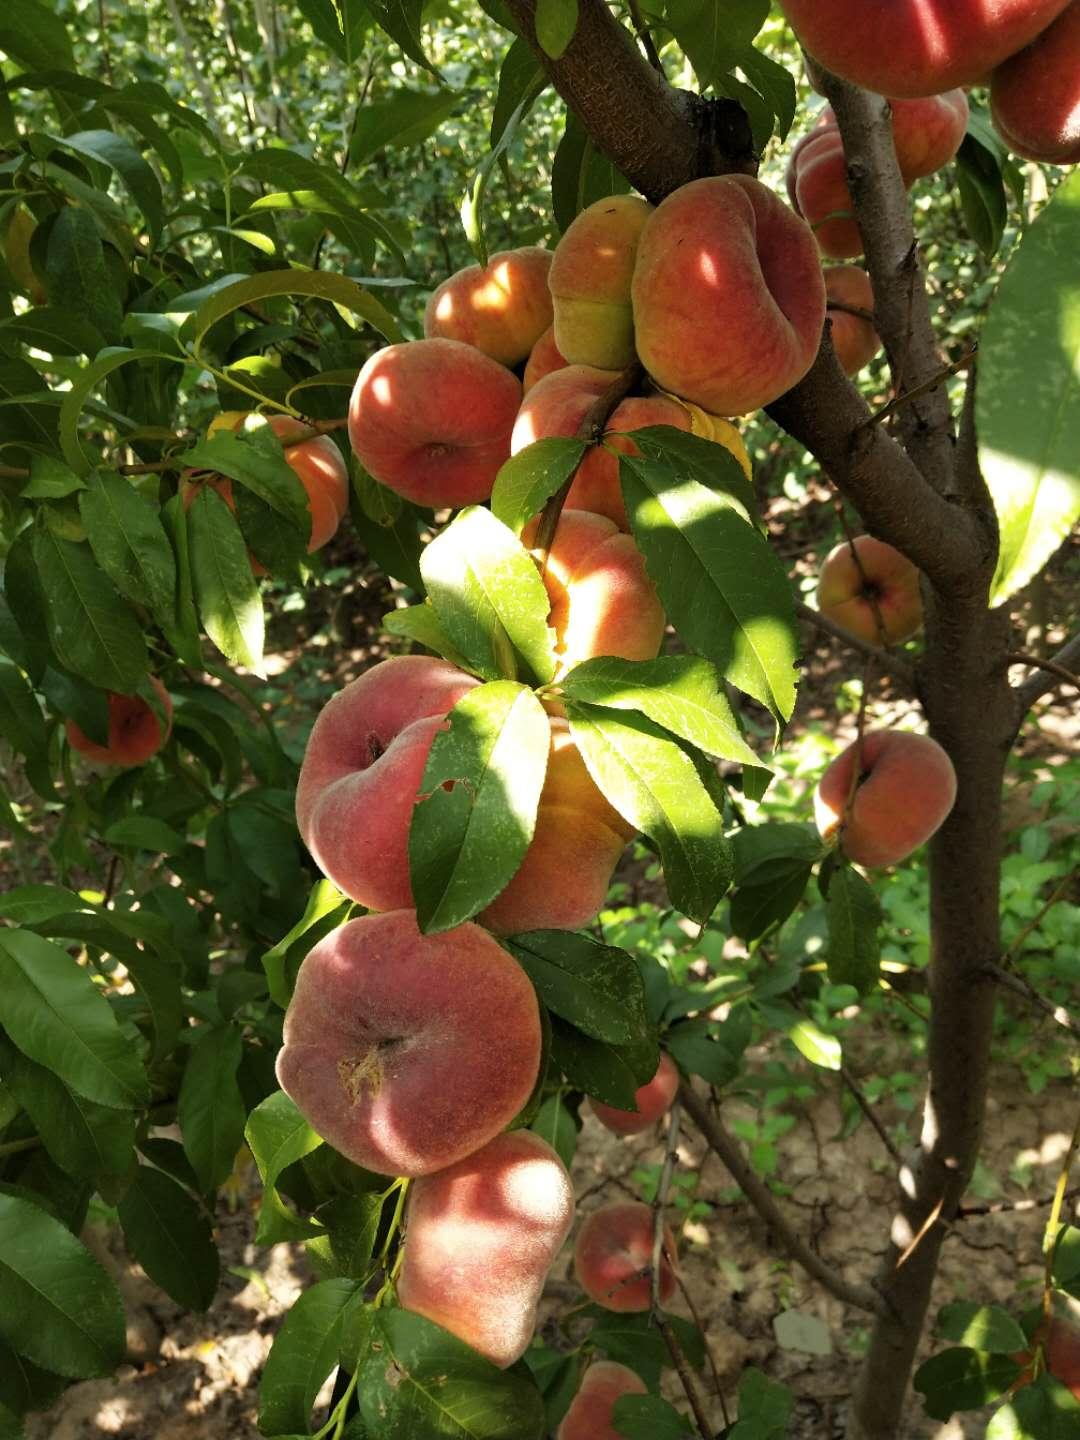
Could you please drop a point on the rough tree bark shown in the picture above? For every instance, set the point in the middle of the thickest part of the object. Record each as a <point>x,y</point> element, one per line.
<point>916,485</point>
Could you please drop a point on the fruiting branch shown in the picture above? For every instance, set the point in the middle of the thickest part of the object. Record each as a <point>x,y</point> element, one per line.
<point>863,1297</point>
<point>1053,672</point>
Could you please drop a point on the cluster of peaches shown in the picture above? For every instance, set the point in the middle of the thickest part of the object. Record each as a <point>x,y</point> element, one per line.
<point>1027,51</point>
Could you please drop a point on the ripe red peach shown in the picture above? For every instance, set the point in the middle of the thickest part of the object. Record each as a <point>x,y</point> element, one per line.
<point>651,1101</point>
<point>577,833</point>
<point>602,600</point>
<point>728,296</point>
<point>544,359</point>
<point>904,790</point>
<point>557,404</point>
<point>481,1237</point>
<point>361,775</point>
<point>851,586</point>
<point>590,282</point>
<point>917,47</point>
<point>818,184</point>
<point>927,133</point>
<point>135,731</point>
<point>316,460</point>
<point>854,339</point>
<point>613,1257</point>
<point>1035,95</point>
<point>431,419</point>
<point>502,307</point>
<point>408,1052</point>
<point>591,1410</point>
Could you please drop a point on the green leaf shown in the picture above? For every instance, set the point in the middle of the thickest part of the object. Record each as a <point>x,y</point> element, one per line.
<point>28,904</point>
<point>758,908</point>
<point>54,330</point>
<point>210,1109</point>
<point>581,174</point>
<point>83,1138</point>
<point>122,157</point>
<point>23,726</point>
<point>225,589</point>
<point>35,38</point>
<point>405,118</point>
<point>1044,1410</point>
<point>278,1135</point>
<point>318,284</point>
<point>91,630</point>
<point>981,188</point>
<point>722,586</point>
<point>854,916</point>
<point>710,1049</point>
<point>680,693</point>
<point>648,1417</point>
<point>520,77</point>
<point>169,1235</point>
<point>656,787</point>
<point>419,1380</point>
<point>304,1353</point>
<point>24,1386</point>
<point>812,1042</point>
<point>480,792</point>
<point>75,400</point>
<point>556,21</point>
<point>256,459</point>
<point>339,24</point>
<point>981,1327</point>
<point>611,1073</point>
<point>597,988</point>
<point>401,21</point>
<point>775,851</point>
<point>144,832</point>
<point>531,477</point>
<point>129,541</point>
<point>76,273</point>
<point>963,1379</point>
<point>487,592</point>
<point>325,910</point>
<point>56,1015</point>
<point>764,1408</point>
<point>421,624</point>
<point>1028,399</point>
<point>58,1307</point>
<point>50,479</point>
<point>555,1123</point>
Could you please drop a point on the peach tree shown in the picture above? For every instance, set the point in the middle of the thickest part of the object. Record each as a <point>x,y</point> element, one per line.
<point>369,961</point>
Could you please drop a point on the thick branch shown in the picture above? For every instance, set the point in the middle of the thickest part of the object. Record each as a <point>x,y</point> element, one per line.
<point>1051,673</point>
<point>863,1297</point>
<point>901,306</point>
<point>869,468</point>
<point>893,665</point>
<point>659,137</point>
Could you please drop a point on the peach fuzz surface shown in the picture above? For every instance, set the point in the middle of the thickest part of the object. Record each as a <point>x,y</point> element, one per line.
<point>916,47</point>
<point>431,419</point>
<point>590,1416</point>
<point>904,790</point>
<point>136,733</point>
<point>728,295</point>
<point>481,1237</point>
<point>613,1257</point>
<point>502,308</point>
<point>408,1052</point>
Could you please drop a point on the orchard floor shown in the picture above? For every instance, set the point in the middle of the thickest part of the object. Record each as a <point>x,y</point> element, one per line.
<point>196,1377</point>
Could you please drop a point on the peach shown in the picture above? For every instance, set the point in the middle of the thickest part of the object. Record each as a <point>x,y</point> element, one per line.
<point>596,485</point>
<point>613,1257</point>
<point>362,769</point>
<point>590,1413</point>
<point>651,1101</point>
<point>407,1052</point>
<point>481,1237</point>
<point>502,307</point>
<point>359,781</point>
<point>728,296</point>
<point>590,282</point>
<point>854,339</point>
<point>544,359</point>
<point>854,590</point>
<point>431,419</point>
<point>1060,1343</point>
<point>577,834</point>
<point>135,730</point>
<point>818,181</point>
<point>602,601</point>
<point>557,404</point>
<point>316,460</point>
<point>1035,95</point>
<point>904,790</point>
<point>927,133</point>
<point>916,47</point>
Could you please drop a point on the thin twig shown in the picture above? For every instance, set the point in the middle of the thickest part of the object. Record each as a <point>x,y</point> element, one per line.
<point>863,1297</point>
<point>1019,986</point>
<point>1058,892</point>
<point>1021,657</point>
<point>16,1147</point>
<point>898,668</point>
<point>1048,676</point>
<point>644,34</point>
<point>1000,1207</point>
<point>859,311</point>
<point>868,1110</point>
<point>718,1384</point>
<point>906,396</point>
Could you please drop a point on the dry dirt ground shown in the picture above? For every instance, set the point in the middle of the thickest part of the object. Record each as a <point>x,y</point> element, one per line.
<point>196,1377</point>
